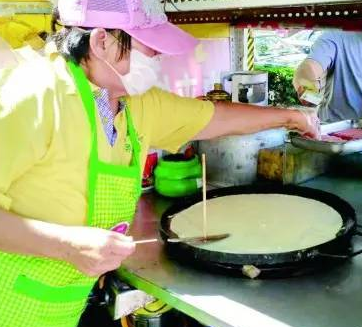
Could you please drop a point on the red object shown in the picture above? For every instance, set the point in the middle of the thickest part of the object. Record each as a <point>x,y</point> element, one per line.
<point>330,138</point>
<point>150,165</point>
<point>349,134</point>
<point>189,152</point>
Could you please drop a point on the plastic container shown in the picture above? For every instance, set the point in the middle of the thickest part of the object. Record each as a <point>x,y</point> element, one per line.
<point>177,175</point>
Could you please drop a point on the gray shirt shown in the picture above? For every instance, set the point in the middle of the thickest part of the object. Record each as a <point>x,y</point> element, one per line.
<point>340,54</point>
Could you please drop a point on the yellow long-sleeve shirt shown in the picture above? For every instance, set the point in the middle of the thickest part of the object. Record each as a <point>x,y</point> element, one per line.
<point>45,138</point>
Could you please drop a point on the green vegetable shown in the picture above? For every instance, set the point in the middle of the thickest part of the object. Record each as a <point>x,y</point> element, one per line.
<point>281,84</point>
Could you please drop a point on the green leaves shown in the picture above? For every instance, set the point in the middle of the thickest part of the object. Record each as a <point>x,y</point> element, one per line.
<point>281,85</point>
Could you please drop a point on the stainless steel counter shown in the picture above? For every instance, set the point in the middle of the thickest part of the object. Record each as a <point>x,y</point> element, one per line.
<point>329,299</point>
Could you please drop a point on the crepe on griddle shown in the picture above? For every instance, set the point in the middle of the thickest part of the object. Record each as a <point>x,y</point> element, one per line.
<point>260,223</point>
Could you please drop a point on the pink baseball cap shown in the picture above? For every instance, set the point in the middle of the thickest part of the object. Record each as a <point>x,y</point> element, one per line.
<point>144,20</point>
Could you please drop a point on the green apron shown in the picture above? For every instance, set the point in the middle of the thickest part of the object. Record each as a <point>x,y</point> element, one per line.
<point>42,292</point>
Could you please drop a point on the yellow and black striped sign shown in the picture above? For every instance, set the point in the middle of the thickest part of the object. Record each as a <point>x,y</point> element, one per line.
<point>250,50</point>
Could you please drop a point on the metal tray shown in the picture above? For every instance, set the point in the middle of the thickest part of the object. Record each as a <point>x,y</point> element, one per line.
<point>341,148</point>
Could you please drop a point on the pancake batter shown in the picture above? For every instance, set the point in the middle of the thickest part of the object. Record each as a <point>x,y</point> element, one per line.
<point>261,223</point>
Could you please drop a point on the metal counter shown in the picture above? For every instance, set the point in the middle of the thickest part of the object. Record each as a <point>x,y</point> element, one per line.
<point>329,299</point>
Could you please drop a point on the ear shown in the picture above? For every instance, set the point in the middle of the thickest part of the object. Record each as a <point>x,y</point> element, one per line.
<point>97,43</point>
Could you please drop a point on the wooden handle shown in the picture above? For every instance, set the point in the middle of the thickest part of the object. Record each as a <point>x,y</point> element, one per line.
<point>152,240</point>
<point>204,194</point>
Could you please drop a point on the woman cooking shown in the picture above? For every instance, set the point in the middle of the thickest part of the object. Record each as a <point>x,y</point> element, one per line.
<point>75,128</point>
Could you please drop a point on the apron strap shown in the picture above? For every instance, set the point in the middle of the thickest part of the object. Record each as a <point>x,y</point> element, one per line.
<point>87,97</point>
<point>133,137</point>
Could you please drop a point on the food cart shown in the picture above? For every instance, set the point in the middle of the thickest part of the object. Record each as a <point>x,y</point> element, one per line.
<point>330,297</point>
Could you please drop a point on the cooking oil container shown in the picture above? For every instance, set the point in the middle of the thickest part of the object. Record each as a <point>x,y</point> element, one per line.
<point>218,94</point>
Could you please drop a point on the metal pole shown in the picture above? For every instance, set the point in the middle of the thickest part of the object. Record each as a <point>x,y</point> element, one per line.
<point>250,49</point>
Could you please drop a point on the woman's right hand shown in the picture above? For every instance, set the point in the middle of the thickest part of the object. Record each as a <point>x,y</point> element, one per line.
<point>95,251</point>
<point>308,123</point>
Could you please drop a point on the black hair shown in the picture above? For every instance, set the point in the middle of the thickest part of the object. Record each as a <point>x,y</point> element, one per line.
<point>73,42</point>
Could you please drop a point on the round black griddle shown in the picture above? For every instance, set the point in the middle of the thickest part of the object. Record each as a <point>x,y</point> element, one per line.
<point>270,264</point>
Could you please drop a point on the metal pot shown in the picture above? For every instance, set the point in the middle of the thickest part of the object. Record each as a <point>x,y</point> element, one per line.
<point>155,314</point>
<point>233,160</point>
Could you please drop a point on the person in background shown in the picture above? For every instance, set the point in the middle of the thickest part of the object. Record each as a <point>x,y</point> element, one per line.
<point>333,70</point>
<point>75,129</point>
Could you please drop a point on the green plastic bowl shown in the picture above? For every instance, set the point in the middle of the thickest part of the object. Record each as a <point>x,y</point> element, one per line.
<point>178,187</point>
<point>176,176</point>
<point>177,167</point>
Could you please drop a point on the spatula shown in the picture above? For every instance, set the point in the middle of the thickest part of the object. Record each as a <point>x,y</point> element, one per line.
<point>196,239</point>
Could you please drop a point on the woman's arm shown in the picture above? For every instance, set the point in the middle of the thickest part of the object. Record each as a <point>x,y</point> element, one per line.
<point>93,251</point>
<point>31,237</point>
<point>238,119</point>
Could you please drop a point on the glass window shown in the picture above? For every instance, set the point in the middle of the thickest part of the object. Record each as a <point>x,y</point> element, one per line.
<point>279,52</point>
<point>283,48</point>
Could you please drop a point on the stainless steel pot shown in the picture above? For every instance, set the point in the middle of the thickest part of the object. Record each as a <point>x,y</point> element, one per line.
<point>233,160</point>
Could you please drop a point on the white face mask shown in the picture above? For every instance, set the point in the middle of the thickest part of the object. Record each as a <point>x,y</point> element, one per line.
<point>143,73</point>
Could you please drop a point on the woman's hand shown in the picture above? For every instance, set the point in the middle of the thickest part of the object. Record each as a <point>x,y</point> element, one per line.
<point>95,251</point>
<point>308,123</point>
